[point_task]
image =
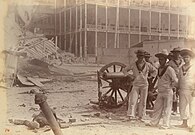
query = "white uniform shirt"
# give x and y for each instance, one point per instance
(167, 81)
(141, 77)
(176, 66)
(187, 79)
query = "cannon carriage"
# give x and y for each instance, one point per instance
(114, 87)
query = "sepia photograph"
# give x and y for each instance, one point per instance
(95, 67)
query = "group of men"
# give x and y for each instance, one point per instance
(174, 78)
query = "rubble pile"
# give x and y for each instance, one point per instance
(29, 56)
(69, 58)
(33, 68)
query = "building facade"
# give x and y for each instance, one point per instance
(83, 26)
(46, 18)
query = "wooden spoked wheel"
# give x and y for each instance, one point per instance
(113, 92)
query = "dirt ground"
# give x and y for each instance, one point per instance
(70, 98)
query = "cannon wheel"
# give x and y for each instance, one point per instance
(114, 93)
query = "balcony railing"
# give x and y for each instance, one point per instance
(154, 30)
(111, 27)
(91, 26)
(135, 28)
(123, 28)
(166, 30)
(101, 27)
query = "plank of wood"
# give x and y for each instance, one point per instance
(35, 81)
(67, 125)
(64, 91)
(43, 80)
(24, 80)
(50, 92)
(50, 46)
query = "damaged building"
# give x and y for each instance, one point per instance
(83, 26)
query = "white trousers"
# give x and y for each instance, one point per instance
(162, 108)
(187, 107)
(137, 91)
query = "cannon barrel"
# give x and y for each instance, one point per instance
(113, 85)
(41, 100)
(113, 75)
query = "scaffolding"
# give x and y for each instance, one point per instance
(93, 24)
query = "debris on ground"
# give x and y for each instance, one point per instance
(34, 109)
(109, 116)
(59, 70)
(97, 114)
(32, 91)
(22, 105)
(35, 81)
(38, 121)
(69, 58)
(85, 119)
(72, 120)
(38, 69)
(28, 81)
(87, 115)
(65, 125)
(23, 80)
(30, 124)
(35, 91)
(34, 72)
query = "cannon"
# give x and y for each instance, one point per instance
(114, 87)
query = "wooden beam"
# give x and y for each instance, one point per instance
(96, 47)
(76, 48)
(116, 25)
(24, 38)
(160, 24)
(169, 29)
(44, 50)
(169, 23)
(72, 35)
(85, 43)
(117, 45)
(177, 25)
(60, 30)
(55, 18)
(65, 28)
(187, 28)
(81, 53)
(129, 35)
(150, 21)
(70, 47)
(33, 45)
(106, 26)
(139, 25)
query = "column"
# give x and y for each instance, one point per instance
(96, 47)
(81, 54)
(160, 25)
(85, 29)
(76, 48)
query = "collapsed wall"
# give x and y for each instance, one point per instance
(20, 42)
(17, 18)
